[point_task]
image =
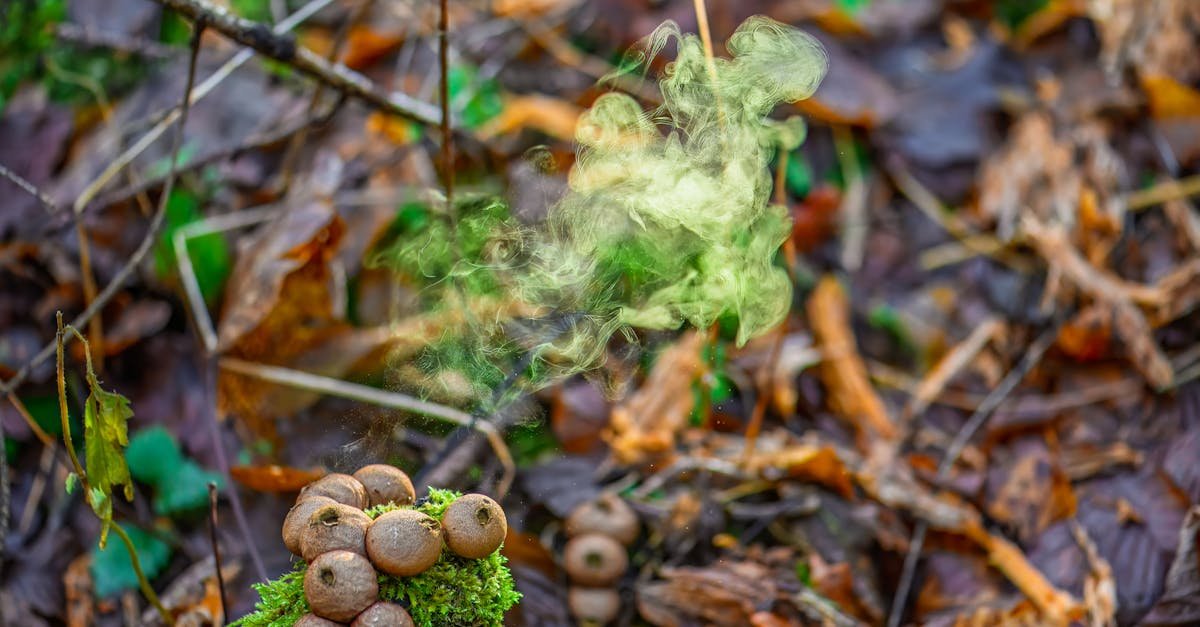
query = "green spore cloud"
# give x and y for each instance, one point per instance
(667, 219)
(689, 206)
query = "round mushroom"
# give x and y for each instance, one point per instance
(595, 560)
(297, 520)
(339, 585)
(475, 526)
(404, 542)
(334, 527)
(342, 488)
(312, 620)
(386, 484)
(596, 606)
(384, 614)
(608, 514)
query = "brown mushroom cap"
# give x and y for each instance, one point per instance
(339, 585)
(334, 527)
(386, 484)
(608, 514)
(404, 542)
(297, 520)
(594, 605)
(594, 560)
(312, 620)
(475, 526)
(342, 488)
(384, 614)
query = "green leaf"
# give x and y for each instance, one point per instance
(852, 6)
(186, 491)
(180, 485)
(106, 433)
(475, 100)
(1013, 13)
(153, 456)
(112, 569)
(798, 175)
(210, 254)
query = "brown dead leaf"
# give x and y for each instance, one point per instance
(552, 116)
(950, 365)
(1099, 587)
(77, 581)
(273, 478)
(843, 371)
(395, 129)
(365, 46)
(528, 8)
(644, 426)
(726, 593)
(1180, 602)
(1155, 38)
(1114, 293)
(1088, 335)
(1029, 491)
(805, 461)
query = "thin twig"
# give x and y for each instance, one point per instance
(993, 400)
(199, 92)
(1163, 192)
(117, 42)
(5, 505)
(216, 549)
(29, 188)
(383, 398)
(447, 136)
(148, 241)
(284, 49)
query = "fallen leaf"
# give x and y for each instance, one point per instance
(644, 426)
(1180, 602)
(274, 478)
(845, 376)
(552, 116)
(365, 46)
(77, 581)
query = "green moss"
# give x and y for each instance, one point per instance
(453, 592)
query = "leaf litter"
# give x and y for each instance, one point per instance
(1041, 162)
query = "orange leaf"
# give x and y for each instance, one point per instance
(275, 478)
(1170, 99)
(843, 372)
(365, 46)
(551, 116)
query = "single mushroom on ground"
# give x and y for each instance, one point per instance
(475, 526)
(386, 484)
(596, 606)
(608, 514)
(384, 614)
(332, 528)
(297, 520)
(340, 584)
(594, 560)
(342, 488)
(404, 542)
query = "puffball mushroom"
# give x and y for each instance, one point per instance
(607, 514)
(312, 620)
(386, 484)
(475, 526)
(332, 528)
(594, 560)
(597, 606)
(339, 585)
(404, 542)
(342, 488)
(384, 614)
(297, 520)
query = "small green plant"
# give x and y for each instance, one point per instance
(106, 434)
(453, 592)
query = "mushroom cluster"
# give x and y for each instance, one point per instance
(595, 557)
(346, 548)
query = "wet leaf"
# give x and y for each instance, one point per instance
(273, 478)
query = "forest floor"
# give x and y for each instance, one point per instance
(982, 408)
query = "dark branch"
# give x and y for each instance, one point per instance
(283, 48)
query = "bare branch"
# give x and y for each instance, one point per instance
(29, 188)
(284, 49)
